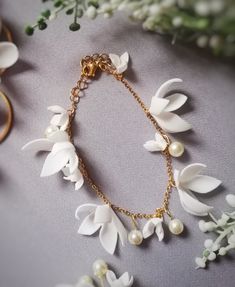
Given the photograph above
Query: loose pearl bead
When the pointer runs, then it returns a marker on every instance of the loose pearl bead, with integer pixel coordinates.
(135, 237)
(176, 226)
(100, 268)
(50, 130)
(176, 149)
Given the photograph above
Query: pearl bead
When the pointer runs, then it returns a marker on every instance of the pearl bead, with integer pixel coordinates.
(176, 149)
(135, 237)
(50, 130)
(100, 268)
(176, 226)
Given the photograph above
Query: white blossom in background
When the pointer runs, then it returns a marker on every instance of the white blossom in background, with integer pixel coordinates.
(162, 108)
(9, 53)
(103, 274)
(224, 227)
(62, 153)
(104, 219)
(124, 281)
(190, 179)
(120, 62)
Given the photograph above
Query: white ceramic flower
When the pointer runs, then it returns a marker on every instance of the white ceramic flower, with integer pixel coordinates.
(103, 218)
(124, 281)
(154, 225)
(189, 180)
(120, 62)
(161, 108)
(159, 144)
(9, 53)
(62, 156)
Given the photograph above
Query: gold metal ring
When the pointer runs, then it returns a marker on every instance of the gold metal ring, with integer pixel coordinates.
(8, 125)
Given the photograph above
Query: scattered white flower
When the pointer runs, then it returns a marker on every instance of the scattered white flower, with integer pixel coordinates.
(9, 53)
(124, 281)
(62, 156)
(103, 218)
(120, 62)
(159, 144)
(154, 225)
(161, 108)
(206, 226)
(189, 180)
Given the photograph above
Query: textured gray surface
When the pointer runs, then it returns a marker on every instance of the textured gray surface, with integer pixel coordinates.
(39, 245)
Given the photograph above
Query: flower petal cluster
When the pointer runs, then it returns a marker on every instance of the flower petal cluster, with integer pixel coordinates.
(124, 281)
(104, 219)
(190, 179)
(162, 107)
(62, 153)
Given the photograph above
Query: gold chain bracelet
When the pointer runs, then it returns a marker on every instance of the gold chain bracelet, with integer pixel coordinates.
(102, 62)
(64, 157)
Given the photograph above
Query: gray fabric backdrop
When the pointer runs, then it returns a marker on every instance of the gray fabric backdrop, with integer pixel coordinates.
(38, 242)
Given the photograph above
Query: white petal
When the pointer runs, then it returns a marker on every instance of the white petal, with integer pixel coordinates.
(54, 163)
(111, 277)
(190, 171)
(88, 226)
(59, 120)
(193, 205)
(148, 229)
(73, 161)
(58, 136)
(120, 228)
(172, 123)
(126, 279)
(115, 59)
(39, 145)
(152, 146)
(57, 109)
(125, 57)
(157, 105)
(8, 54)
(202, 184)
(164, 89)
(67, 146)
(85, 208)
(122, 68)
(176, 101)
(103, 214)
(74, 177)
(230, 198)
(161, 141)
(108, 237)
(159, 231)
(79, 183)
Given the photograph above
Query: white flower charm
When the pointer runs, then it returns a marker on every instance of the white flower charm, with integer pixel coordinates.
(161, 108)
(103, 218)
(124, 281)
(62, 156)
(189, 180)
(154, 225)
(9, 53)
(120, 62)
(159, 144)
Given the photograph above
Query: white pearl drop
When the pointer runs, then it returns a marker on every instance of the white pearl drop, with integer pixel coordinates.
(176, 149)
(100, 268)
(135, 237)
(176, 226)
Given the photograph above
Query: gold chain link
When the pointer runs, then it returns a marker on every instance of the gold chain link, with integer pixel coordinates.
(89, 66)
